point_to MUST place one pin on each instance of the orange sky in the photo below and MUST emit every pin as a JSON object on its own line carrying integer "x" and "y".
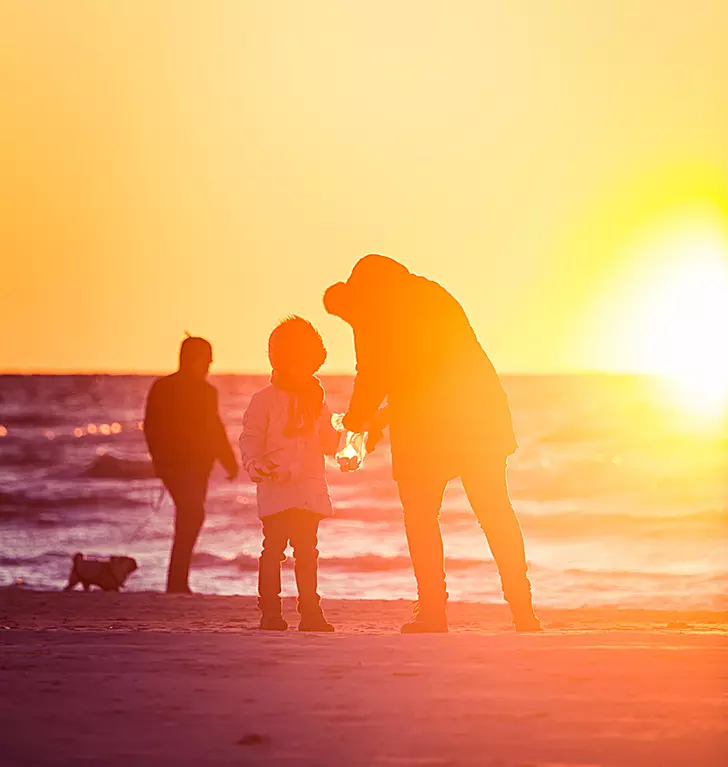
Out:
{"x": 211, "y": 167}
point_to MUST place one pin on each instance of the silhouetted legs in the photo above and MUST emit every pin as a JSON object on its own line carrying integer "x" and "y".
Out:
{"x": 486, "y": 486}
{"x": 300, "y": 527}
{"x": 188, "y": 492}
{"x": 422, "y": 500}
{"x": 487, "y": 491}
{"x": 275, "y": 542}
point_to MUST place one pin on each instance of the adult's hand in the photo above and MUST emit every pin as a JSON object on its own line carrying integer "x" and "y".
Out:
{"x": 377, "y": 427}
{"x": 352, "y": 424}
{"x": 373, "y": 439}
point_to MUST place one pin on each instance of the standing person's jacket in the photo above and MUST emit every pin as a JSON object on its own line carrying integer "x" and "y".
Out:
{"x": 297, "y": 462}
{"x": 416, "y": 347}
{"x": 183, "y": 429}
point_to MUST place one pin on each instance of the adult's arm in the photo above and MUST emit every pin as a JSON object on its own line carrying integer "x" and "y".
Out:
{"x": 370, "y": 384}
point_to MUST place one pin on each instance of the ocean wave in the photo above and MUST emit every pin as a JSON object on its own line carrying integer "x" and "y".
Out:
{"x": 111, "y": 467}
{"x": 243, "y": 562}
{"x": 540, "y": 520}
{"x": 23, "y": 505}
{"x": 30, "y": 420}
{"x": 9, "y": 560}
{"x": 588, "y": 525}
{"x": 612, "y": 575}
{"x": 372, "y": 563}
{"x": 25, "y": 455}
{"x": 365, "y": 563}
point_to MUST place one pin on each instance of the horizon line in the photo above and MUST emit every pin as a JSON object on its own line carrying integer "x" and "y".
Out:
{"x": 329, "y": 373}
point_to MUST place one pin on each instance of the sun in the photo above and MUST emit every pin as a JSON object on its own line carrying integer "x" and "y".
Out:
{"x": 684, "y": 330}
{"x": 671, "y": 316}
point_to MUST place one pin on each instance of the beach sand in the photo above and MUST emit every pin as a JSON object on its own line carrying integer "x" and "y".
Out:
{"x": 147, "y": 679}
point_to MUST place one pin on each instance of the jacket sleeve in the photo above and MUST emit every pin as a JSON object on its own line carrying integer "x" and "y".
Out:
{"x": 370, "y": 387}
{"x": 253, "y": 437}
{"x": 222, "y": 449}
{"x": 330, "y": 437}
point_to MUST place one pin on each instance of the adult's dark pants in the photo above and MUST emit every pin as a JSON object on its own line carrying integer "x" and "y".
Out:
{"x": 300, "y": 528}
{"x": 188, "y": 491}
{"x": 487, "y": 490}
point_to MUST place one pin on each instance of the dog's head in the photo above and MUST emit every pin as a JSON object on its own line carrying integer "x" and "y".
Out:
{"x": 122, "y": 567}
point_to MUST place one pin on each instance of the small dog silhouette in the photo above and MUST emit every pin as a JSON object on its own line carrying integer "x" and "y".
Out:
{"x": 108, "y": 574}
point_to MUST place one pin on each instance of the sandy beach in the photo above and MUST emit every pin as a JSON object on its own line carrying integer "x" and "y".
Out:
{"x": 146, "y": 679}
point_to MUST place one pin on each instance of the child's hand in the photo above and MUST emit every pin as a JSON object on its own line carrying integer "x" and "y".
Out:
{"x": 262, "y": 471}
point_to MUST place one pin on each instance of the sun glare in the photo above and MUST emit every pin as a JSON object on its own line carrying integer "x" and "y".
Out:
{"x": 674, "y": 321}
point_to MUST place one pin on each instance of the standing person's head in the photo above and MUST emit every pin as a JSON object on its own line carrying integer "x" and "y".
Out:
{"x": 195, "y": 357}
{"x": 295, "y": 349}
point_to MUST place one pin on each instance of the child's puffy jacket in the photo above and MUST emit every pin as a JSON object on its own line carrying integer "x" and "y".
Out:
{"x": 290, "y": 471}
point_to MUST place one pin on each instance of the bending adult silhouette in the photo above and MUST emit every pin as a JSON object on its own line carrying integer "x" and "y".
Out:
{"x": 185, "y": 437}
{"x": 448, "y": 416}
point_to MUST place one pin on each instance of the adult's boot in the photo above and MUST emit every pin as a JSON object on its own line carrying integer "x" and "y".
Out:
{"x": 427, "y": 619}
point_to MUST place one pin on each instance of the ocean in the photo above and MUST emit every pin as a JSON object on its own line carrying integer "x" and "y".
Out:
{"x": 622, "y": 501}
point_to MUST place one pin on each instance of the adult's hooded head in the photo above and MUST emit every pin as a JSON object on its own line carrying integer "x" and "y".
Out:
{"x": 374, "y": 284}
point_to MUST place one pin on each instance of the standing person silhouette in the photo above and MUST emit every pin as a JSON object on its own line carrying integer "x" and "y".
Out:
{"x": 449, "y": 417}
{"x": 185, "y": 437}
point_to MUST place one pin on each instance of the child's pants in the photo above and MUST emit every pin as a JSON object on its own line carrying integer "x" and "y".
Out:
{"x": 300, "y": 528}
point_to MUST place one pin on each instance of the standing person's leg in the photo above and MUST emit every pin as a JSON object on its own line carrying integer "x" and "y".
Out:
{"x": 276, "y": 532}
{"x": 304, "y": 540}
{"x": 421, "y": 501}
{"x": 188, "y": 492}
{"x": 486, "y": 486}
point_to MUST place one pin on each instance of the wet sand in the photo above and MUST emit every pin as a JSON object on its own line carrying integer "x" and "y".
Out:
{"x": 147, "y": 679}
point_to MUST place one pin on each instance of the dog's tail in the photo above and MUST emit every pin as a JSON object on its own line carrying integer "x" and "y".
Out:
{"x": 77, "y": 558}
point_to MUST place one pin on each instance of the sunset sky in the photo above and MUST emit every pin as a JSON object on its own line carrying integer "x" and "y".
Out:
{"x": 560, "y": 166}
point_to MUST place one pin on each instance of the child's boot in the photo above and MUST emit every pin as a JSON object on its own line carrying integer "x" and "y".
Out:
{"x": 309, "y": 601}
{"x": 313, "y": 619}
{"x": 272, "y": 618}
{"x": 272, "y": 622}
{"x": 269, "y": 589}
